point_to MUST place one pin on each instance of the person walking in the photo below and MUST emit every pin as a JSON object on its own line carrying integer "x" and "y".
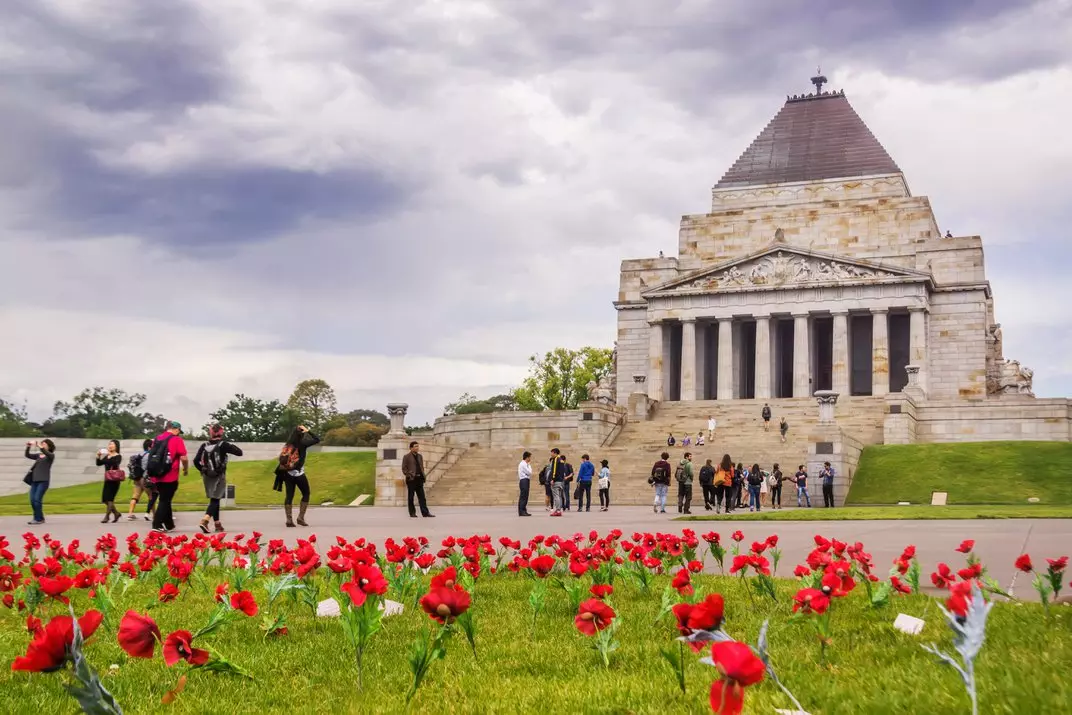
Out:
{"x": 707, "y": 485}
{"x": 112, "y": 461}
{"x": 413, "y": 471}
{"x": 138, "y": 479}
{"x": 524, "y": 481}
{"x": 39, "y": 476}
{"x": 684, "y": 478}
{"x": 711, "y": 424}
{"x": 211, "y": 462}
{"x": 724, "y": 485}
{"x": 604, "y": 485}
{"x": 739, "y": 477}
{"x": 585, "y": 474}
{"x": 291, "y": 474}
{"x": 783, "y": 429}
{"x": 766, "y": 415}
{"x": 567, "y": 482}
{"x": 660, "y": 479}
{"x": 801, "y": 480}
{"x": 776, "y": 480}
{"x": 556, "y": 477}
{"x": 166, "y": 456}
{"x": 755, "y": 481}
{"x": 827, "y": 475}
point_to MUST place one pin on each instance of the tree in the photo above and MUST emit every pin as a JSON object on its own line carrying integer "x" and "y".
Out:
{"x": 313, "y": 401}
{"x": 248, "y": 419}
{"x": 102, "y": 413}
{"x": 363, "y": 434}
{"x": 373, "y": 417}
{"x": 468, "y": 404}
{"x": 13, "y": 421}
{"x": 558, "y": 380}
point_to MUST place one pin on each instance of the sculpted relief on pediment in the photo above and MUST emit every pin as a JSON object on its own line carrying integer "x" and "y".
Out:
{"x": 783, "y": 268}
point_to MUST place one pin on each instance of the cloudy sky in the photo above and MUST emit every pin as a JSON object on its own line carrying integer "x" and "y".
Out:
{"x": 203, "y": 197}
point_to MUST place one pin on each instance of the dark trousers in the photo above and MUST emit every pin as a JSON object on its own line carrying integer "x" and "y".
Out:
{"x": 153, "y": 496}
{"x": 162, "y": 517}
{"x": 584, "y": 490}
{"x": 37, "y": 500}
{"x": 684, "y": 497}
{"x": 213, "y": 509}
{"x": 604, "y": 497}
{"x": 776, "y": 496}
{"x": 302, "y": 484}
{"x": 828, "y": 495}
{"x": 416, "y": 488}
{"x": 523, "y": 497}
{"x": 720, "y": 494}
{"x": 567, "y": 485}
{"x": 708, "y": 495}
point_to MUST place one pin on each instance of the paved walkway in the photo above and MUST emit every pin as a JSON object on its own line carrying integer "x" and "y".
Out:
{"x": 998, "y": 541}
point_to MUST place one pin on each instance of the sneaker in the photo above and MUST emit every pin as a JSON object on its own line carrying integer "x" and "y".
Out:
{"x": 663, "y": 511}
{"x": 147, "y": 518}
{"x": 132, "y": 517}
{"x": 35, "y": 523}
{"x": 556, "y": 513}
{"x": 655, "y": 510}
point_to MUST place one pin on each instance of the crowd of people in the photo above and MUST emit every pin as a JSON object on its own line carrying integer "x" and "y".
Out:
{"x": 154, "y": 473}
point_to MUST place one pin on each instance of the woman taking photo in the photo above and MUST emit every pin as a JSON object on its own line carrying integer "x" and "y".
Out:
{"x": 291, "y": 472}
{"x": 39, "y": 476}
{"x": 112, "y": 461}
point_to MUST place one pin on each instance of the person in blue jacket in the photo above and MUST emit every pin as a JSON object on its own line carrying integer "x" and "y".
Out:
{"x": 585, "y": 472}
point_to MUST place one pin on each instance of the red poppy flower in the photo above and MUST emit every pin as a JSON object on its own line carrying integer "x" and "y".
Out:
{"x": 801, "y": 571}
{"x": 168, "y": 592}
{"x": 810, "y": 600}
{"x": 1023, "y": 562}
{"x": 542, "y": 565}
{"x": 943, "y": 577}
{"x": 959, "y": 600}
{"x": 727, "y": 697}
{"x": 772, "y": 540}
{"x": 244, "y": 601}
{"x": 593, "y": 615}
{"x": 737, "y": 535}
{"x": 695, "y": 566}
{"x": 221, "y": 591}
{"x": 178, "y": 647}
{"x": 909, "y": 552}
{"x": 966, "y": 546}
{"x": 707, "y": 615}
{"x": 601, "y": 590}
{"x": 683, "y": 582}
{"x": 899, "y": 585}
{"x": 1058, "y": 565}
{"x": 578, "y": 568}
{"x": 33, "y": 626}
{"x": 739, "y": 668}
{"x": 48, "y": 650}
{"x": 447, "y": 578}
{"x": 87, "y": 578}
{"x": 138, "y": 635}
{"x": 740, "y": 562}
{"x": 425, "y": 561}
{"x": 55, "y": 587}
{"x": 839, "y": 578}
{"x": 445, "y": 604}
{"x": 340, "y": 565}
{"x": 970, "y": 572}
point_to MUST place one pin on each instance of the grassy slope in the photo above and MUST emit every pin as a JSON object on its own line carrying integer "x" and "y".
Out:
{"x": 875, "y": 669}
{"x": 864, "y": 513}
{"x": 972, "y": 473}
{"x": 334, "y": 476}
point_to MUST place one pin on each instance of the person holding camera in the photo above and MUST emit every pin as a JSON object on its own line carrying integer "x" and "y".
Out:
{"x": 39, "y": 476}
{"x": 291, "y": 472}
{"x": 112, "y": 461}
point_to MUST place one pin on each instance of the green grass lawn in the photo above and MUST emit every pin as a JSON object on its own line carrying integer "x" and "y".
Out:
{"x": 874, "y": 669}
{"x": 971, "y": 473}
{"x": 849, "y": 513}
{"x": 334, "y": 476}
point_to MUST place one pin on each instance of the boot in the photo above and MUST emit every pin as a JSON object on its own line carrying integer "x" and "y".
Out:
{"x": 203, "y": 525}
{"x": 219, "y": 527}
{"x": 107, "y": 514}
{"x": 288, "y": 509}
{"x": 301, "y": 513}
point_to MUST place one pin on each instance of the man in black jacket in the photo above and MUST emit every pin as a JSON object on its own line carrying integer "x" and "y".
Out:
{"x": 413, "y": 470}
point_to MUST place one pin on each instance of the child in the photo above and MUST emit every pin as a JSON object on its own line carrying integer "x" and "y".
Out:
{"x": 604, "y": 485}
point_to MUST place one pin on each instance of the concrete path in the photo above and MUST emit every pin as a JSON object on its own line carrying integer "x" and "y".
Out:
{"x": 998, "y": 541}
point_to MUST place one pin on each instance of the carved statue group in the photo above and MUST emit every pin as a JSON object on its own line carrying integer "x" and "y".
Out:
{"x": 781, "y": 268}
{"x": 606, "y": 390}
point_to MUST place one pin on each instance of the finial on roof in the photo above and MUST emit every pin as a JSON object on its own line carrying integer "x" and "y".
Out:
{"x": 818, "y": 80}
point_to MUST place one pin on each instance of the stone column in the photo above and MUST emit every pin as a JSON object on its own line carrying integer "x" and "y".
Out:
{"x": 763, "y": 357}
{"x": 917, "y": 343}
{"x": 840, "y": 363}
{"x": 880, "y": 352}
{"x": 801, "y": 356}
{"x": 688, "y": 359}
{"x": 655, "y": 361}
{"x": 725, "y": 359}
{"x": 397, "y": 411}
{"x": 826, "y": 399}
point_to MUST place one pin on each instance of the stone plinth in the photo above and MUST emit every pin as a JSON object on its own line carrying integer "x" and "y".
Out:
{"x": 397, "y": 411}
{"x": 826, "y": 399}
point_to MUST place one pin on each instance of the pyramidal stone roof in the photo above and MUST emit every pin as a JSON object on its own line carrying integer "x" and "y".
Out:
{"x": 812, "y": 137}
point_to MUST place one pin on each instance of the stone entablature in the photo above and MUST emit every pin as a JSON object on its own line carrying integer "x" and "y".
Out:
{"x": 806, "y": 192}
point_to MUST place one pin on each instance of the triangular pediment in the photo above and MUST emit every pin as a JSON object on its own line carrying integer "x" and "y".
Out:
{"x": 780, "y": 266}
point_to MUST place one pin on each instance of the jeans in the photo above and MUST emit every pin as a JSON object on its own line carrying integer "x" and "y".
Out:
{"x": 566, "y": 497}
{"x": 753, "y": 497}
{"x": 413, "y": 489}
{"x": 660, "y": 496}
{"x": 302, "y": 483}
{"x": 776, "y": 496}
{"x": 37, "y": 498}
{"x": 162, "y": 518}
{"x": 828, "y": 495}
{"x": 604, "y": 498}
{"x": 803, "y": 492}
{"x": 523, "y": 496}
{"x": 558, "y": 491}
{"x": 684, "y": 498}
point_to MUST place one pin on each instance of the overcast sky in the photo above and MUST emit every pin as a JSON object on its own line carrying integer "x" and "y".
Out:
{"x": 203, "y": 197}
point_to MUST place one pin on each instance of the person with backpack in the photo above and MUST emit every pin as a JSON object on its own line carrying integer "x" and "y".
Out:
{"x": 683, "y": 476}
{"x": 707, "y": 485}
{"x": 585, "y": 473}
{"x": 39, "y": 476}
{"x": 755, "y": 481}
{"x": 211, "y": 461}
{"x": 660, "y": 479}
{"x": 556, "y": 477}
{"x": 166, "y": 455}
{"x": 545, "y": 479}
{"x": 291, "y": 474}
{"x": 724, "y": 484}
{"x": 827, "y": 475}
{"x": 604, "y": 485}
{"x": 139, "y": 480}
{"x": 775, "y": 481}
{"x": 765, "y": 413}
{"x": 112, "y": 461}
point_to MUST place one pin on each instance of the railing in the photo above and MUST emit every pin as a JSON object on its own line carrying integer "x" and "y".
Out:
{"x": 453, "y": 452}
{"x": 618, "y": 427}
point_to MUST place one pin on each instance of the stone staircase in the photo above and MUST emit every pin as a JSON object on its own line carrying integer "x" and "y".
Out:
{"x": 483, "y": 476}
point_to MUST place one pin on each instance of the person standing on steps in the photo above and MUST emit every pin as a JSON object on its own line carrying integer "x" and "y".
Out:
{"x": 585, "y": 473}
{"x": 166, "y": 455}
{"x": 776, "y": 480}
{"x": 112, "y": 461}
{"x": 783, "y": 428}
{"x": 699, "y": 438}
{"x": 707, "y": 485}
{"x": 766, "y": 414}
{"x": 211, "y": 461}
{"x": 660, "y": 478}
{"x": 670, "y": 441}
{"x": 684, "y": 478}
{"x": 724, "y": 484}
{"x": 755, "y": 481}
{"x": 291, "y": 472}
{"x": 39, "y": 476}
{"x": 711, "y": 424}
{"x": 524, "y": 480}
{"x": 827, "y": 475}
{"x": 413, "y": 471}
{"x": 801, "y": 480}
{"x": 604, "y": 485}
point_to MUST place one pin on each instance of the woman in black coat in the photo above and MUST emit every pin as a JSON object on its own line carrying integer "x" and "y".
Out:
{"x": 112, "y": 461}
{"x": 39, "y": 476}
{"x": 291, "y": 472}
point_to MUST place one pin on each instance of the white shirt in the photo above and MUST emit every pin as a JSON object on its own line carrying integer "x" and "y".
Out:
{"x": 524, "y": 470}
{"x": 711, "y": 424}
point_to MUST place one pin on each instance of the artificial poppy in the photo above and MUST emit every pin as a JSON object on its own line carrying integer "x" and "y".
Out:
{"x": 593, "y": 615}
{"x": 1057, "y": 565}
{"x": 960, "y": 595}
{"x": 178, "y": 647}
{"x": 542, "y": 565}
{"x": 707, "y": 614}
{"x": 1023, "y": 563}
{"x": 168, "y": 592}
{"x": 943, "y": 577}
{"x": 48, "y": 650}
{"x": 966, "y": 546}
{"x": 55, "y": 587}
{"x": 601, "y": 590}
{"x": 739, "y": 668}
{"x": 682, "y": 582}
{"x": 444, "y": 605}
{"x": 810, "y": 600}
{"x": 244, "y": 601}
{"x": 221, "y": 591}
{"x": 138, "y": 635}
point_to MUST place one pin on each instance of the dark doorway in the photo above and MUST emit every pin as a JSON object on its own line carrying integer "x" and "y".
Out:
{"x": 711, "y": 363}
{"x": 673, "y": 390}
{"x": 823, "y": 332}
{"x": 783, "y": 354}
{"x": 747, "y": 386}
{"x": 860, "y": 332}
{"x": 899, "y": 350}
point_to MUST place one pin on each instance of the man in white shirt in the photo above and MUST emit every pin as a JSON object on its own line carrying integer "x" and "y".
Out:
{"x": 711, "y": 424}
{"x": 524, "y": 479}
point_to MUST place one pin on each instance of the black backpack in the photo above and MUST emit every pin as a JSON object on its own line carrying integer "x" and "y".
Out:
{"x": 679, "y": 474}
{"x": 159, "y": 462}
{"x": 135, "y": 467}
{"x": 213, "y": 460}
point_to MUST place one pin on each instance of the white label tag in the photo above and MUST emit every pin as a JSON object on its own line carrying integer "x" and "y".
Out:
{"x": 328, "y": 609}
{"x": 391, "y": 608}
{"x": 780, "y": 711}
{"x": 908, "y": 624}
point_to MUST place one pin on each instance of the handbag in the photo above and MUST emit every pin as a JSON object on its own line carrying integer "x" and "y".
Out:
{"x": 28, "y": 479}
{"x": 115, "y": 475}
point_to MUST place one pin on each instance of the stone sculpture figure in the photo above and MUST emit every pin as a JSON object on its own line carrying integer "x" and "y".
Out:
{"x": 601, "y": 391}
{"x": 1015, "y": 380}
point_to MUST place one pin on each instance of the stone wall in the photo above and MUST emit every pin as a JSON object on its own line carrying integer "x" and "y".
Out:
{"x": 807, "y": 192}
{"x": 1008, "y": 418}
{"x": 842, "y": 450}
{"x": 633, "y": 340}
{"x": 390, "y": 484}
{"x": 589, "y": 425}
{"x": 899, "y": 425}
{"x": 956, "y": 345}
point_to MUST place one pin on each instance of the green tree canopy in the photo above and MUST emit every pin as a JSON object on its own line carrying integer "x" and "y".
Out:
{"x": 313, "y": 402}
{"x": 247, "y": 419}
{"x": 102, "y": 413}
{"x": 13, "y": 421}
{"x": 469, "y": 404}
{"x": 558, "y": 380}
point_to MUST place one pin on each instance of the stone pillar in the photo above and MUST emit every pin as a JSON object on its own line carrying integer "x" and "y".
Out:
{"x": 688, "y": 359}
{"x": 725, "y": 359}
{"x": 840, "y": 363}
{"x": 801, "y": 356}
{"x": 655, "y": 361}
{"x": 701, "y": 361}
{"x": 826, "y": 399}
{"x": 397, "y": 411}
{"x": 763, "y": 357}
{"x": 880, "y": 352}
{"x": 917, "y": 343}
